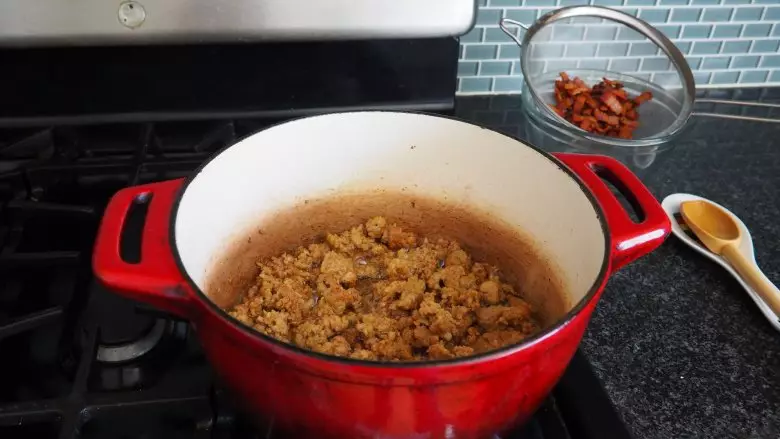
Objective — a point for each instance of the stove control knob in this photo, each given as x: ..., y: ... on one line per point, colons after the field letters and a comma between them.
x: 131, y: 14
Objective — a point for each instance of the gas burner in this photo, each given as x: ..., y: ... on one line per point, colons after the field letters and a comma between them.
x: 134, y: 346
x: 127, y: 330
x: 133, y: 349
x: 139, y: 363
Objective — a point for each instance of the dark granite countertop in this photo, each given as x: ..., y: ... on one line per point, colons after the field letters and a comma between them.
x: 681, y: 349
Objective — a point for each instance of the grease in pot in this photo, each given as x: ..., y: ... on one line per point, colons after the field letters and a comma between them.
x: 411, y: 286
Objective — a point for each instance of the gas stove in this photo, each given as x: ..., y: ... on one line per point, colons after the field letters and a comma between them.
x: 81, y: 362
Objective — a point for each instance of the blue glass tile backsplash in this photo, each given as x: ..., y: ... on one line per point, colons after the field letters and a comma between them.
x: 726, y: 42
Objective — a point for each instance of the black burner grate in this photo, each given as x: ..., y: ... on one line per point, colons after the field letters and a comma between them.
x: 81, y: 362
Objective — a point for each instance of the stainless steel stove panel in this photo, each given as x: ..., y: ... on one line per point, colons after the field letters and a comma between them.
x: 100, y: 22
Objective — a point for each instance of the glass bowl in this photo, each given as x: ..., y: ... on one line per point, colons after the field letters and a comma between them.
x: 553, y: 136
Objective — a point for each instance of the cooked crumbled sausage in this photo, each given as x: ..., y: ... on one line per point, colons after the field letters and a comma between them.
x: 379, y: 292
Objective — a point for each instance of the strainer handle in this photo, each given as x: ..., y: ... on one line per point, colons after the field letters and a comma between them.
x: 737, y: 116
x: 504, y: 25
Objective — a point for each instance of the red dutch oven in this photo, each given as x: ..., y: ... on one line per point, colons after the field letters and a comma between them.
x: 561, y: 201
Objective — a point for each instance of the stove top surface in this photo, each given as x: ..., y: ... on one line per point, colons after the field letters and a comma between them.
x: 82, y: 362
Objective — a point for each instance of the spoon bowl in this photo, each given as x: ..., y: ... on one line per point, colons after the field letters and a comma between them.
x: 712, y: 225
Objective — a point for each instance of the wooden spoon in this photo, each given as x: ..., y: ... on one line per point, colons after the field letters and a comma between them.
x: 717, y: 230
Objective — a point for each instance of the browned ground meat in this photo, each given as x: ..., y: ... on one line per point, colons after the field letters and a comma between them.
x: 378, y: 292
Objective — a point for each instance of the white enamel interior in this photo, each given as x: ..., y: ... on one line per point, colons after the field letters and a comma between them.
x: 318, y: 156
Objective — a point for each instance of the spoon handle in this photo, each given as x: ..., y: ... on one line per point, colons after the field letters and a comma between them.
x: 749, y: 271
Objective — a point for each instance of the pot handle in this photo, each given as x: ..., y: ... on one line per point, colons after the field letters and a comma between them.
x: 630, y: 239
x: 155, y: 279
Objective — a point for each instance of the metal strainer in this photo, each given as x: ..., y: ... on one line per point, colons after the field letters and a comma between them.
x: 594, y: 42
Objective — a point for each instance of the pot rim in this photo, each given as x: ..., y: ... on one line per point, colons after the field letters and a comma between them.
x: 478, y: 358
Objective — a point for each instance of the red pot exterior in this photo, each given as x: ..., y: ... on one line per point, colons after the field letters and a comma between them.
x: 330, y: 399
x: 318, y: 396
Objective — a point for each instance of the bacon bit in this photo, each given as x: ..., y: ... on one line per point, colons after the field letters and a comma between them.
x: 600, y: 115
x: 607, y: 118
x: 564, y: 105
x: 588, y: 124
x: 579, y: 104
x: 602, y: 128
x: 612, y: 102
x: 559, y: 95
x: 579, y: 91
x: 621, y: 94
x: 605, y: 109
x: 612, y: 84
x: 643, y: 97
